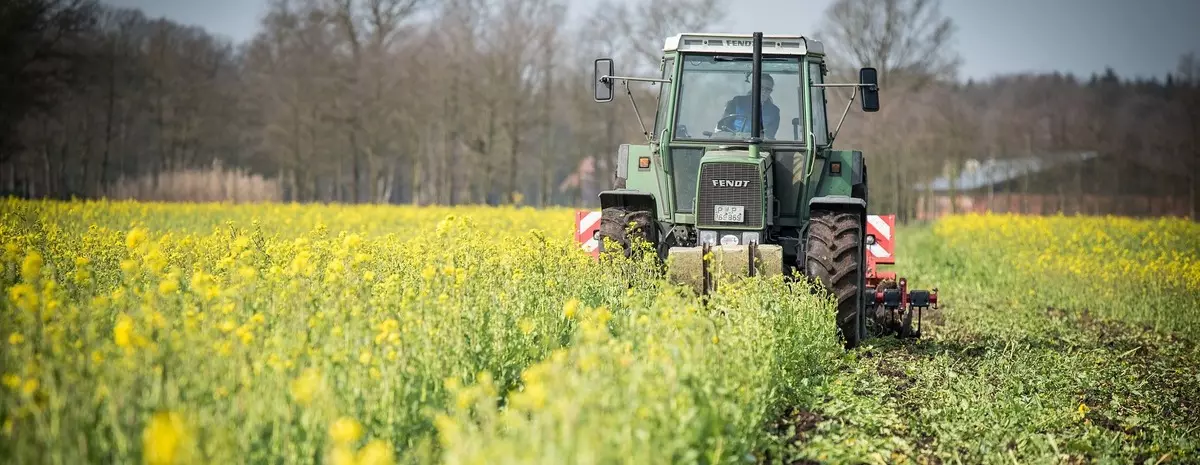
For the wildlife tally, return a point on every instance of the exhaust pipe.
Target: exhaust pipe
(756, 96)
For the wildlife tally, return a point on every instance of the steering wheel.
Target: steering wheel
(733, 123)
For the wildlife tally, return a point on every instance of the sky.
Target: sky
(1136, 39)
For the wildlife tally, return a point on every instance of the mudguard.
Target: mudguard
(628, 198)
(838, 201)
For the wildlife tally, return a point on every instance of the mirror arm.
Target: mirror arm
(637, 112)
(850, 102)
(853, 94)
(607, 78)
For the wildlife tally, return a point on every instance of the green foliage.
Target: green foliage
(1012, 370)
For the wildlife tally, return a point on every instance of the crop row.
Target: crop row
(285, 334)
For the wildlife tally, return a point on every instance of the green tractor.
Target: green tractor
(740, 169)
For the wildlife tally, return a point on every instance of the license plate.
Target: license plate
(730, 213)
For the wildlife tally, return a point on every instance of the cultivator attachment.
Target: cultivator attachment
(703, 266)
(889, 301)
(699, 266)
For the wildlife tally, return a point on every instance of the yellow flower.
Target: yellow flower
(165, 440)
(24, 296)
(341, 455)
(31, 268)
(570, 308)
(376, 452)
(345, 430)
(241, 243)
(29, 386)
(123, 331)
(16, 338)
(306, 386)
(168, 286)
(135, 238)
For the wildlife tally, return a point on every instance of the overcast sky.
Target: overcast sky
(1135, 38)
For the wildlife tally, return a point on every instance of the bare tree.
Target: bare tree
(908, 41)
(40, 58)
(1186, 87)
(641, 27)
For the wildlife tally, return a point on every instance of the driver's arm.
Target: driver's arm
(771, 125)
(730, 108)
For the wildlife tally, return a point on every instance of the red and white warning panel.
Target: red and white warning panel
(880, 227)
(587, 224)
(880, 246)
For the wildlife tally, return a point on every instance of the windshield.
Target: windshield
(714, 98)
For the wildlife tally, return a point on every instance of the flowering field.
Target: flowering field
(160, 333)
(1139, 271)
(288, 334)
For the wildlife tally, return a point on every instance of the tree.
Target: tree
(907, 41)
(1186, 87)
(40, 58)
(642, 27)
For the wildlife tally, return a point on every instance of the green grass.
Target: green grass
(1006, 374)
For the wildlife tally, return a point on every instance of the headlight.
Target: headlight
(748, 237)
(870, 239)
(708, 237)
(729, 239)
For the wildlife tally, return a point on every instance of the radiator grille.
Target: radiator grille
(749, 196)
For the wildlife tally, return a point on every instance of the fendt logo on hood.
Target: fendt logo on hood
(730, 183)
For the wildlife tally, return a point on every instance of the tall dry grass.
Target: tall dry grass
(214, 184)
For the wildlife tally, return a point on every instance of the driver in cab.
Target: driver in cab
(740, 106)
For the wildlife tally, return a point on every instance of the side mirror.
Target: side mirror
(604, 86)
(869, 79)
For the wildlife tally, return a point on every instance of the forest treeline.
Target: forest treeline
(490, 101)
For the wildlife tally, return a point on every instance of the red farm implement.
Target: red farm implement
(888, 297)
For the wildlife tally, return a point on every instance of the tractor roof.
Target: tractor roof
(773, 44)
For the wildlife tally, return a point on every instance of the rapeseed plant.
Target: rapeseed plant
(365, 335)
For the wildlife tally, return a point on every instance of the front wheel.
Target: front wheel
(833, 255)
(624, 225)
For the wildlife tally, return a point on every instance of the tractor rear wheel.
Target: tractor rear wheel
(615, 225)
(833, 255)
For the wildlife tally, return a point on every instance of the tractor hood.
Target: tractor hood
(733, 191)
(733, 155)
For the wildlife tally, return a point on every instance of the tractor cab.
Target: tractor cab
(714, 90)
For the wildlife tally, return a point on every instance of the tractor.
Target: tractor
(721, 178)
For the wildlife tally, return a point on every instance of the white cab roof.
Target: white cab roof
(743, 43)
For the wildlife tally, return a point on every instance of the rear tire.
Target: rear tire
(833, 256)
